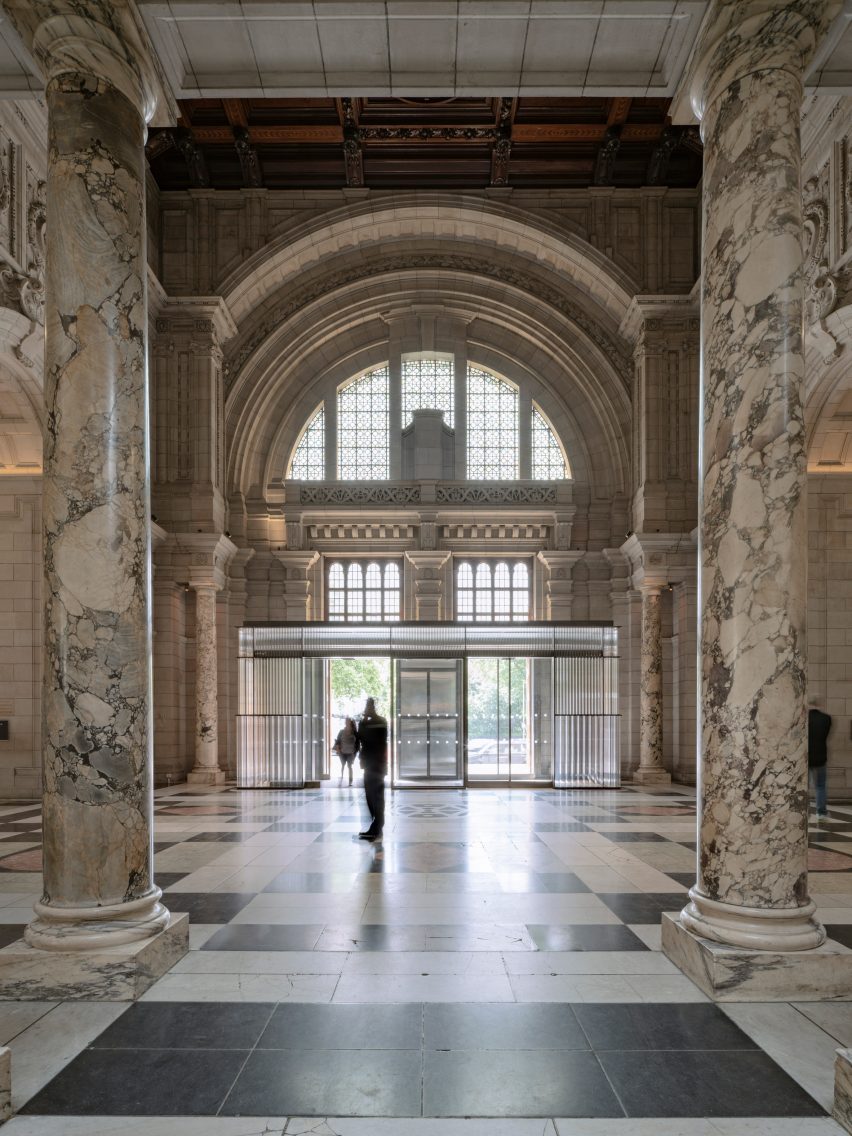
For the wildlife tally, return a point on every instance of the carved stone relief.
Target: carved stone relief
(820, 285)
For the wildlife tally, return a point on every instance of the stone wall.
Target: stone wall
(21, 636)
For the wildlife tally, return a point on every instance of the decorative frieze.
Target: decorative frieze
(502, 494)
(359, 494)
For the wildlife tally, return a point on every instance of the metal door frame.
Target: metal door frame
(429, 781)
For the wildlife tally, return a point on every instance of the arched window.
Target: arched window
(548, 461)
(308, 462)
(363, 591)
(363, 428)
(492, 443)
(492, 427)
(489, 592)
(427, 384)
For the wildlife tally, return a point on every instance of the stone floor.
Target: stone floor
(495, 961)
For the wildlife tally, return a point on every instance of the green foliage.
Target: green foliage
(494, 688)
(353, 681)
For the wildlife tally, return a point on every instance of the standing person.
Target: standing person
(373, 746)
(819, 724)
(346, 746)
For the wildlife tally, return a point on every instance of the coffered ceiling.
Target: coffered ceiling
(389, 143)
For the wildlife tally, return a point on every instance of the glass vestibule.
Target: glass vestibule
(533, 703)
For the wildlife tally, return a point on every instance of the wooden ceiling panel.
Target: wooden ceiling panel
(429, 142)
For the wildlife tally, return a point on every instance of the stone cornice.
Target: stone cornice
(196, 313)
(663, 307)
(659, 559)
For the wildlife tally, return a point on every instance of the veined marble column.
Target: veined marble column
(98, 885)
(651, 770)
(206, 770)
(752, 888)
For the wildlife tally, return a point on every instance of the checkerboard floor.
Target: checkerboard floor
(492, 967)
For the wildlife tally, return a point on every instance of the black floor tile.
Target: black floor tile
(305, 1026)
(220, 837)
(372, 937)
(659, 1025)
(560, 826)
(690, 844)
(826, 835)
(327, 1083)
(701, 1083)
(687, 879)
(493, 1026)
(636, 837)
(264, 937)
(527, 1083)
(565, 883)
(166, 880)
(840, 932)
(584, 937)
(162, 845)
(209, 907)
(146, 1082)
(641, 907)
(296, 826)
(335, 882)
(10, 933)
(187, 1025)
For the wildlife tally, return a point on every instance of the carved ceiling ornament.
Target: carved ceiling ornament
(25, 290)
(820, 285)
(613, 350)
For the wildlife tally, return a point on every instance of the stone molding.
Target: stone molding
(745, 36)
(470, 493)
(657, 560)
(105, 39)
(196, 315)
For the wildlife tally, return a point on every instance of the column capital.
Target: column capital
(196, 316)
(104, 39)
(659, 559)
(658, 313)
(746, 36)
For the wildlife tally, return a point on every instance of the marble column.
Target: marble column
(752, 887)
(651, 770)
(206, 770)
(98, 882)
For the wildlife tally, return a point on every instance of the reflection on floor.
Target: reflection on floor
(495, 960)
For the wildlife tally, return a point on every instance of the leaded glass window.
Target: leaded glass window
(492, 592)
(427, 384)
(308, 462)
(363, 428)
(364, 592)
(492, 427)
(548, 461)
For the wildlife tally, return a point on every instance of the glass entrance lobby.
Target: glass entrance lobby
(467, 705)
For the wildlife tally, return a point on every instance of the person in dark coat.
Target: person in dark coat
(819, 724)
(373, 748)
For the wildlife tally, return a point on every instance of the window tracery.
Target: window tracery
(363, 591)
(489, 592)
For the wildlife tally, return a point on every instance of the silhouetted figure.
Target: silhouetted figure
(819, 724)
(346, 746)
(373, 748)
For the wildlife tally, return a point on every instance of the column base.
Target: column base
(744, 974)
(651, 777)
(205, 777)
(842, 1110)
(101, 974)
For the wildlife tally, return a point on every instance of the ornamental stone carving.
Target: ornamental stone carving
(24, 290)
(820, 285)
(359, 494)
(496, 494)
(611, 347)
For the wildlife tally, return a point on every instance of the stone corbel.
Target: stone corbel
(559, 586)
(429, 598)
(298, 591)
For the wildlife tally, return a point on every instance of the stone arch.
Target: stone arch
(581, 387)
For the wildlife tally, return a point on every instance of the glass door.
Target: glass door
(428, 732)
(507, 716)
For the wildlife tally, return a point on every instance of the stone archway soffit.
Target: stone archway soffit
(392, 269)
(461, 220)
